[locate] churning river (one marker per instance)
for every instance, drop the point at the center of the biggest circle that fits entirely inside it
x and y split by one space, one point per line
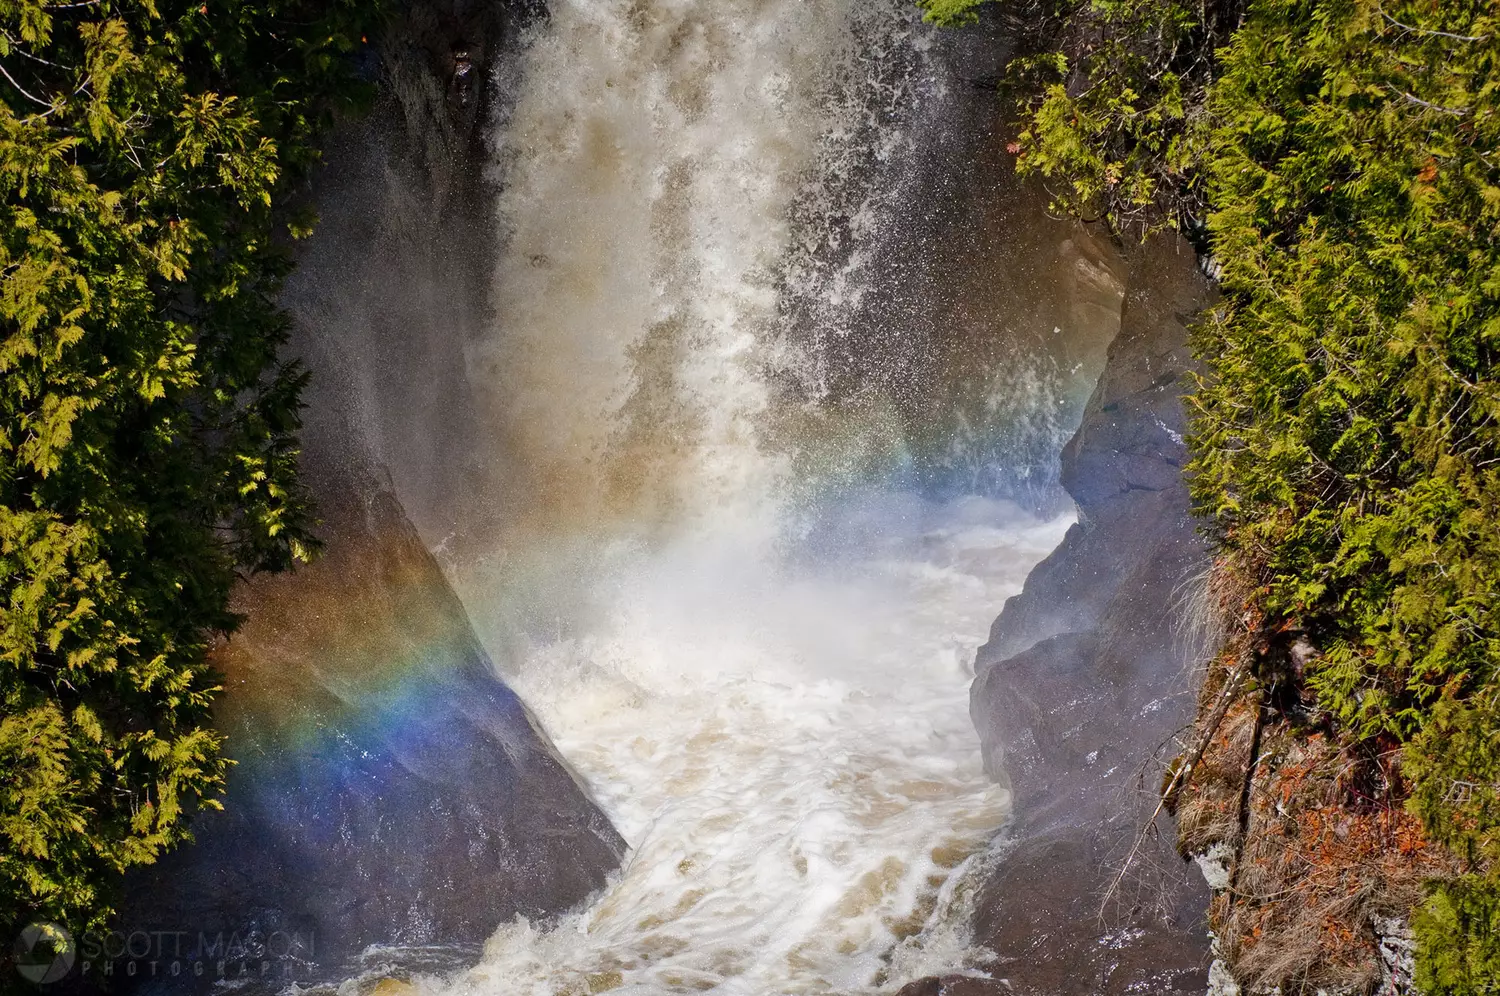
736 544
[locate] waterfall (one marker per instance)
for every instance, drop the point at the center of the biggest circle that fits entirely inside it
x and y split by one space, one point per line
704 550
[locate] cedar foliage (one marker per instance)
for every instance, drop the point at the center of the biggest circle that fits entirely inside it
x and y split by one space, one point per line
1112 96
148 440
1346 437
1346 446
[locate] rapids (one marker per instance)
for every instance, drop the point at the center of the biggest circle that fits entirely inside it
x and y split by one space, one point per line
787 749
708 550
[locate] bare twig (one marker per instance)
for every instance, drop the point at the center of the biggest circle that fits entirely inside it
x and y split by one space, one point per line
21 88
1429 31
1455 111
16 47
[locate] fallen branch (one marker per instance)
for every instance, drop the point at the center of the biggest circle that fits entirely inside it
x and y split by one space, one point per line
1227 697
1247 789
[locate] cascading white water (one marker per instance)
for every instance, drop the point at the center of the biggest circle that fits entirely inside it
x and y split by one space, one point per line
759 671
787 749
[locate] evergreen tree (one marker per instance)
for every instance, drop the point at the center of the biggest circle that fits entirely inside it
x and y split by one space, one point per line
1346 445
148 440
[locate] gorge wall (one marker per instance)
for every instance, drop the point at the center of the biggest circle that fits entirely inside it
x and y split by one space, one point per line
1087 678
389 789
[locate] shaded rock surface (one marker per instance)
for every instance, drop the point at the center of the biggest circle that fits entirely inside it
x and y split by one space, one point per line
389 788
981 321
1087 676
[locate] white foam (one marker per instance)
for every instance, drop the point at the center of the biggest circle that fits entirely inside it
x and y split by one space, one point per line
787 749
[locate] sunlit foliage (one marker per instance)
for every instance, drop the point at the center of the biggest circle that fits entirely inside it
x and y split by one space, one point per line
1111 95
951 13
1346 444
148 438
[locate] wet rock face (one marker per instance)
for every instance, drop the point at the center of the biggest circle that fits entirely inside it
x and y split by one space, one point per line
395 281
1087 676
948 985
389 788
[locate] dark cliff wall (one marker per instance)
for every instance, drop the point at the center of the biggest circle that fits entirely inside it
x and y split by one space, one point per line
1086 678
395 283
389 789
1088 675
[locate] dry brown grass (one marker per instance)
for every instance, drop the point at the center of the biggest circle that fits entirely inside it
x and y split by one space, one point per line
1316 827
1320 838
1322 859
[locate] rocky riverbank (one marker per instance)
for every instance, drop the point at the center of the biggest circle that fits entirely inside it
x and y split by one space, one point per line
1087 679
